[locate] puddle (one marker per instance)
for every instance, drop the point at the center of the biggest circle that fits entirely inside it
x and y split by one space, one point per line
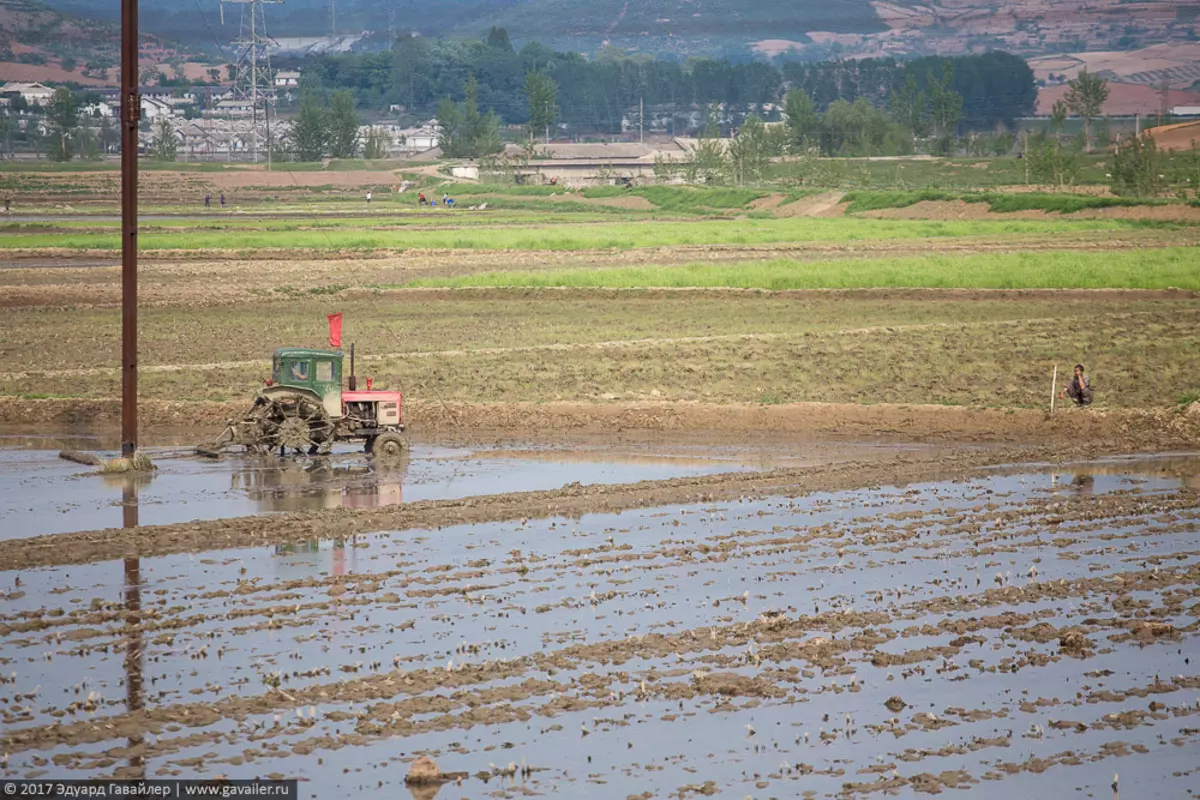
42 494
754 644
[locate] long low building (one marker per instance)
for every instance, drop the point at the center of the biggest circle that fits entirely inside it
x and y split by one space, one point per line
1124 99
586 163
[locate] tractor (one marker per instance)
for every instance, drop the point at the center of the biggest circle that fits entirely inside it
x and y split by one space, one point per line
304 409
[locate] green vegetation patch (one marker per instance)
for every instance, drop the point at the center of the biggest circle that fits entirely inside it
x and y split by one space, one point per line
1174 267
999 202
572 236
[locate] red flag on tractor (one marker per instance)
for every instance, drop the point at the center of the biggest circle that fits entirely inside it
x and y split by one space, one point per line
335 329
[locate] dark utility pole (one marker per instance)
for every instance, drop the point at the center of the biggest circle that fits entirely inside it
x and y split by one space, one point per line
131 115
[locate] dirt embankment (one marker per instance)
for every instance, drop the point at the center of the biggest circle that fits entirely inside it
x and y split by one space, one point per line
1130 429
826 204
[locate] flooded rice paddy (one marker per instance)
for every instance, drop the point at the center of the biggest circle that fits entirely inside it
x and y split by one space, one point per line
1027 633
43 494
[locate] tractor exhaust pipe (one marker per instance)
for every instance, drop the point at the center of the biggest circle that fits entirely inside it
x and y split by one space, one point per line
353 380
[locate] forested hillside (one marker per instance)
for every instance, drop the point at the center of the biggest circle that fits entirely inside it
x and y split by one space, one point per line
681 26
596 94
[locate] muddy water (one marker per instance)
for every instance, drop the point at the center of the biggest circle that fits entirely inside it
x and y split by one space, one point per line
41 494
739 649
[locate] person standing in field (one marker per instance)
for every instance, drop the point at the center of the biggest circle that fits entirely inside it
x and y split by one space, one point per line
368 197
222 199
207 200
1080 388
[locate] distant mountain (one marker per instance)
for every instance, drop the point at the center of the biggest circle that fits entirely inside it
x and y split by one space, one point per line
808 28
40 43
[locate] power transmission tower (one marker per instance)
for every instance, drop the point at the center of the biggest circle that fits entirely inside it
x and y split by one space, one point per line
253 79
332 18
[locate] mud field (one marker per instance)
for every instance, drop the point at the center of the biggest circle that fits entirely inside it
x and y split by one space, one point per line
1024 632
646 542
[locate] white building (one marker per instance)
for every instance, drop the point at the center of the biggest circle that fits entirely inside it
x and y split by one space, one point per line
1185 111
287 79
98 110
35 94
153 109
241 107
419 139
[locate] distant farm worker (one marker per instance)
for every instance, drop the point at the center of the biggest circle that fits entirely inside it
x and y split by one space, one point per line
222 199
421 199
7 205
1080 388
444 198
368 196
208 201
450 202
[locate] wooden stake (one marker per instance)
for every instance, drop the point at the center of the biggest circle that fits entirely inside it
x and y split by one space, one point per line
1053 388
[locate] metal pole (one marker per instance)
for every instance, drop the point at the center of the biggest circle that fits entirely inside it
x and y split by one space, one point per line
1053 388
131 114
254 81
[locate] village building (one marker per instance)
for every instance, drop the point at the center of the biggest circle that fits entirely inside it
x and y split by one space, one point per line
35 94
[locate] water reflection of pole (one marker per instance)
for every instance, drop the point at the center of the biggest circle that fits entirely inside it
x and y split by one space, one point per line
134 694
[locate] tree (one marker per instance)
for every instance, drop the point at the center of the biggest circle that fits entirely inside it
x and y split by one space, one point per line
214 75
1085 99
541 91
309 132
1058 116
449 119
945 108
109 135
62 122
8 126
803 122
482 131
750 151
909 107
498 38
707 162
1052 162
1137 167
89 145
69 63
464 131
165 147
343 123
376 144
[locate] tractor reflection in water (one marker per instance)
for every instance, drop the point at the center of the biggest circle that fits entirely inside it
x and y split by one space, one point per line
300 560
304 409
320 484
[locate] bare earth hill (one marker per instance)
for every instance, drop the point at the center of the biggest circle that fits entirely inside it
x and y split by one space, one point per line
710 27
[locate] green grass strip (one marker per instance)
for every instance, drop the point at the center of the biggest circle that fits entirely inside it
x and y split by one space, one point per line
1174 267
997 201
572 236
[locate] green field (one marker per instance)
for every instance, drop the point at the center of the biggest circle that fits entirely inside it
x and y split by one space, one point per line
1164 268
574 236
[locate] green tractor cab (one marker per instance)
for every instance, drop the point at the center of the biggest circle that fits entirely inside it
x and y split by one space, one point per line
315 371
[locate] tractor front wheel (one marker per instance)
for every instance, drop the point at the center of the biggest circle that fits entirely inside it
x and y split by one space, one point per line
387 445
